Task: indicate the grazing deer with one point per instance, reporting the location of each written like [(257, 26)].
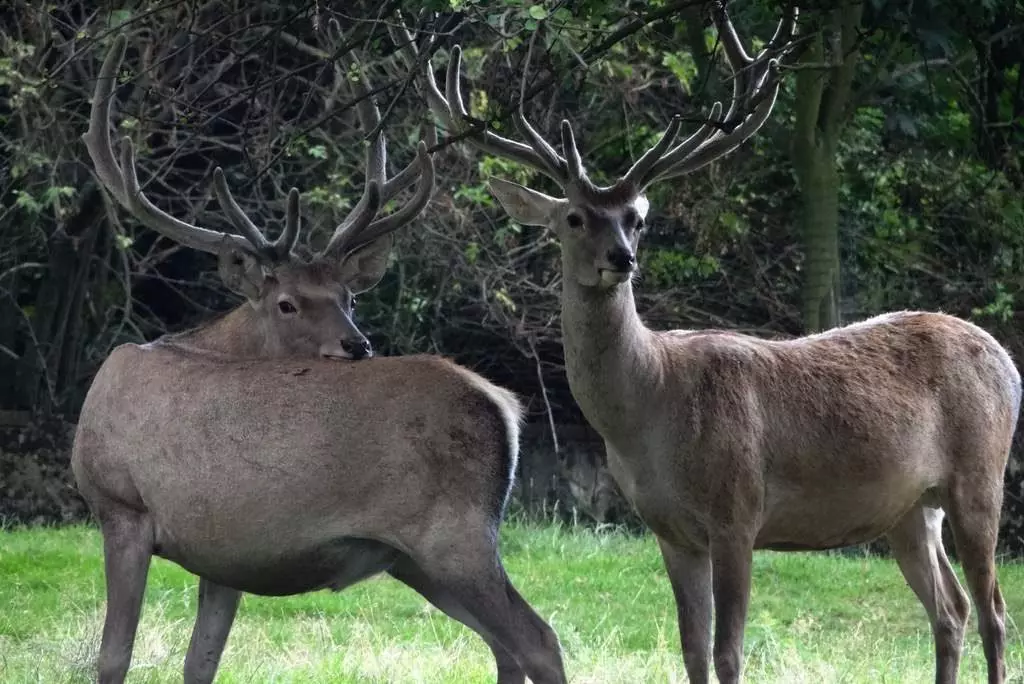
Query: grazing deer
[(726, 443), (238, 453)]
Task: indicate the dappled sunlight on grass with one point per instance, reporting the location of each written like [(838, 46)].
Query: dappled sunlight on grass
[(813, 618)]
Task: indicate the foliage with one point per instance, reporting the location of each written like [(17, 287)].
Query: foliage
[(930, 211)]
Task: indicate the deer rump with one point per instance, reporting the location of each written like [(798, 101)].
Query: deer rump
[(268, 477)]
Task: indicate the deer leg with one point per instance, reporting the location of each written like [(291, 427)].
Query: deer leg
[(973, 507), (690, 575), (731, 560), (473, 576), (217, 607), (410, 574), (916, 543), (127, 550)]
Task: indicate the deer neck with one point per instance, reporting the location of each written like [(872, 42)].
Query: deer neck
[(237, 334), (610, 357)]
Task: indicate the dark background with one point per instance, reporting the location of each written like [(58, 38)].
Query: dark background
[(888, 177)]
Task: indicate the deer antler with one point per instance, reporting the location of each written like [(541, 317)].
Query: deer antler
[(359, 228), (755, 89), (451, 111), (122, 182)]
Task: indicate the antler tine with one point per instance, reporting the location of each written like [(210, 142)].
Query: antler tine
[(285, 242), (356, 221), (122, 182), (680, 152), (731, 44), (784, 32), (643, 165), (756, 87), (482, 138), (724, 144), (412, 170), (412, 208), (453, 84), (238, 217), (573, 161)]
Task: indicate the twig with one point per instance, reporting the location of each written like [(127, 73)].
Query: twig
[(544, 394)]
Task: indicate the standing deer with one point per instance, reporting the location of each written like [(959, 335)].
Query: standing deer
[(239, 454), (726, 443)]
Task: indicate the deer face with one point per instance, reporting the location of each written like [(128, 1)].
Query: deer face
[(306, 308), (598, 231)]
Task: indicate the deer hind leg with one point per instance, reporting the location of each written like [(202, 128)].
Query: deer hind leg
[(410, 574), (690, 575), (469, 571), (916, 543), (127, 550), (217, 607), (973, 506)]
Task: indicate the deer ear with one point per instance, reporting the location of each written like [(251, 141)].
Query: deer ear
[(363, 267), (240, 273), (525, 206)]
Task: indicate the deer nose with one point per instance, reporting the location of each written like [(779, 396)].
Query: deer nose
[(358, 349), (621, 259)]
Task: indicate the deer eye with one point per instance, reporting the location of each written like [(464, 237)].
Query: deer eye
[(640, 225), (286, 307), (574, 220)]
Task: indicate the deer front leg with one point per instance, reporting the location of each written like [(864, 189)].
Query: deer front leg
[(690, 574), (731, 559), (217, 607), (127, 550)]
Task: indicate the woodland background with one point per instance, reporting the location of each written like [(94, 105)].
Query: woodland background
[(888, 177)]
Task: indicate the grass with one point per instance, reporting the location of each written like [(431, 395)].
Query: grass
[(813, 618)]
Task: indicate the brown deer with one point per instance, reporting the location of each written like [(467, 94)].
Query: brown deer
[(240, 454), (726, 443)]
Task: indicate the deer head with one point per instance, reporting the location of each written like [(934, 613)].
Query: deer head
[(599, 227), (302, 303)]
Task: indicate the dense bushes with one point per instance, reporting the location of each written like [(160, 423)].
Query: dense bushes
[(931, 214)]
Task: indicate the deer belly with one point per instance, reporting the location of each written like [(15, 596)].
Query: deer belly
[(835, 518), (279, 568)]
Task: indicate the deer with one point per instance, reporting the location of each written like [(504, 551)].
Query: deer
[(727, 443), (249, 454)]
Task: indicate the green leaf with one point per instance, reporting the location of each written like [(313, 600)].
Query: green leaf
[(538, 12), (27, 202), (123, 241), (318, 152), (505, 300)]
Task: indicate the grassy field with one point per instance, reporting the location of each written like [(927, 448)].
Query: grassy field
[(813, 618)]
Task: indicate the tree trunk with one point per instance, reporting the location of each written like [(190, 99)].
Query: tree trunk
[(819, 219), (823, 96)]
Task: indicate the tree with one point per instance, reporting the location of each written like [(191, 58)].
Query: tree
[(823, 106)]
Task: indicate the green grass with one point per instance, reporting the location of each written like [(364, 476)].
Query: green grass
[(813, 618)]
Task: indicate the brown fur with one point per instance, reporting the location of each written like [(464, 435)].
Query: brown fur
[(282, 476), (235, 451), (726, 443)]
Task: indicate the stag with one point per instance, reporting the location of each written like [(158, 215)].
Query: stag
[(246, 455), (726, 443)]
